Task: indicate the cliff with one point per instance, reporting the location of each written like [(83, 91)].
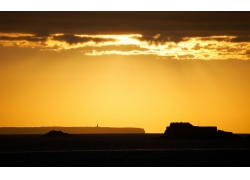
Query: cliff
[(188, 131), (71, 130)]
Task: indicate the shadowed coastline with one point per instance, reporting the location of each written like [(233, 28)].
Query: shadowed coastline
[(109, 150), (72, 130)]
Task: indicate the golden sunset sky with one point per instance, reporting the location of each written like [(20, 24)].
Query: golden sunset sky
[(125, 69)]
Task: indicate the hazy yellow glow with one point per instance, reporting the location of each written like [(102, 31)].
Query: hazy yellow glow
[(70, 89)]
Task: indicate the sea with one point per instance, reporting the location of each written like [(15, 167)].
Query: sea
[(120, 150)]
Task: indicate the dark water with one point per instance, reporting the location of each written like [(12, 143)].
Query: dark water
[(143, 150)]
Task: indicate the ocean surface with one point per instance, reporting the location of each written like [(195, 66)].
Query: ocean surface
[(120, 150)]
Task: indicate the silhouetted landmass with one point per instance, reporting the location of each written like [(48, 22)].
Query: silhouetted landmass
[(188, 131), (71, 130), (54, 133)]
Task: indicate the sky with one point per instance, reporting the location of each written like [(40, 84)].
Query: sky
[(125, 69)]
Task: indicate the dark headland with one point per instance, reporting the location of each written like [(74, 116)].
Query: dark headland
[(185, 130), (55, 133), (72, 130)]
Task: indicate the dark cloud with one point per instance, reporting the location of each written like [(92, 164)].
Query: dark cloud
[(42, 34), (42, 37), (197, 46), (72, 39), (211, 46), (241, 39), (216, 38), (173, 25), (162, 39), (116, 48), (24, 38), (232, 50), (248, 52)]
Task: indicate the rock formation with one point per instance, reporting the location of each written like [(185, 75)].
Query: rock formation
[(55, 133), (188, 131)]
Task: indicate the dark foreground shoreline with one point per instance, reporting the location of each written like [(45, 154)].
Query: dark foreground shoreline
[(128, 158), (123, 150)]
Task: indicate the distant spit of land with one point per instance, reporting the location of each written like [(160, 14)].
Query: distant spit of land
[(72, 130)]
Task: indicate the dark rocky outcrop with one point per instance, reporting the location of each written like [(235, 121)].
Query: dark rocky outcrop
[(55, 133), (188, 131)]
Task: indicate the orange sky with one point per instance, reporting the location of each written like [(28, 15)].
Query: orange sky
[(124, 80), (70, 89)]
